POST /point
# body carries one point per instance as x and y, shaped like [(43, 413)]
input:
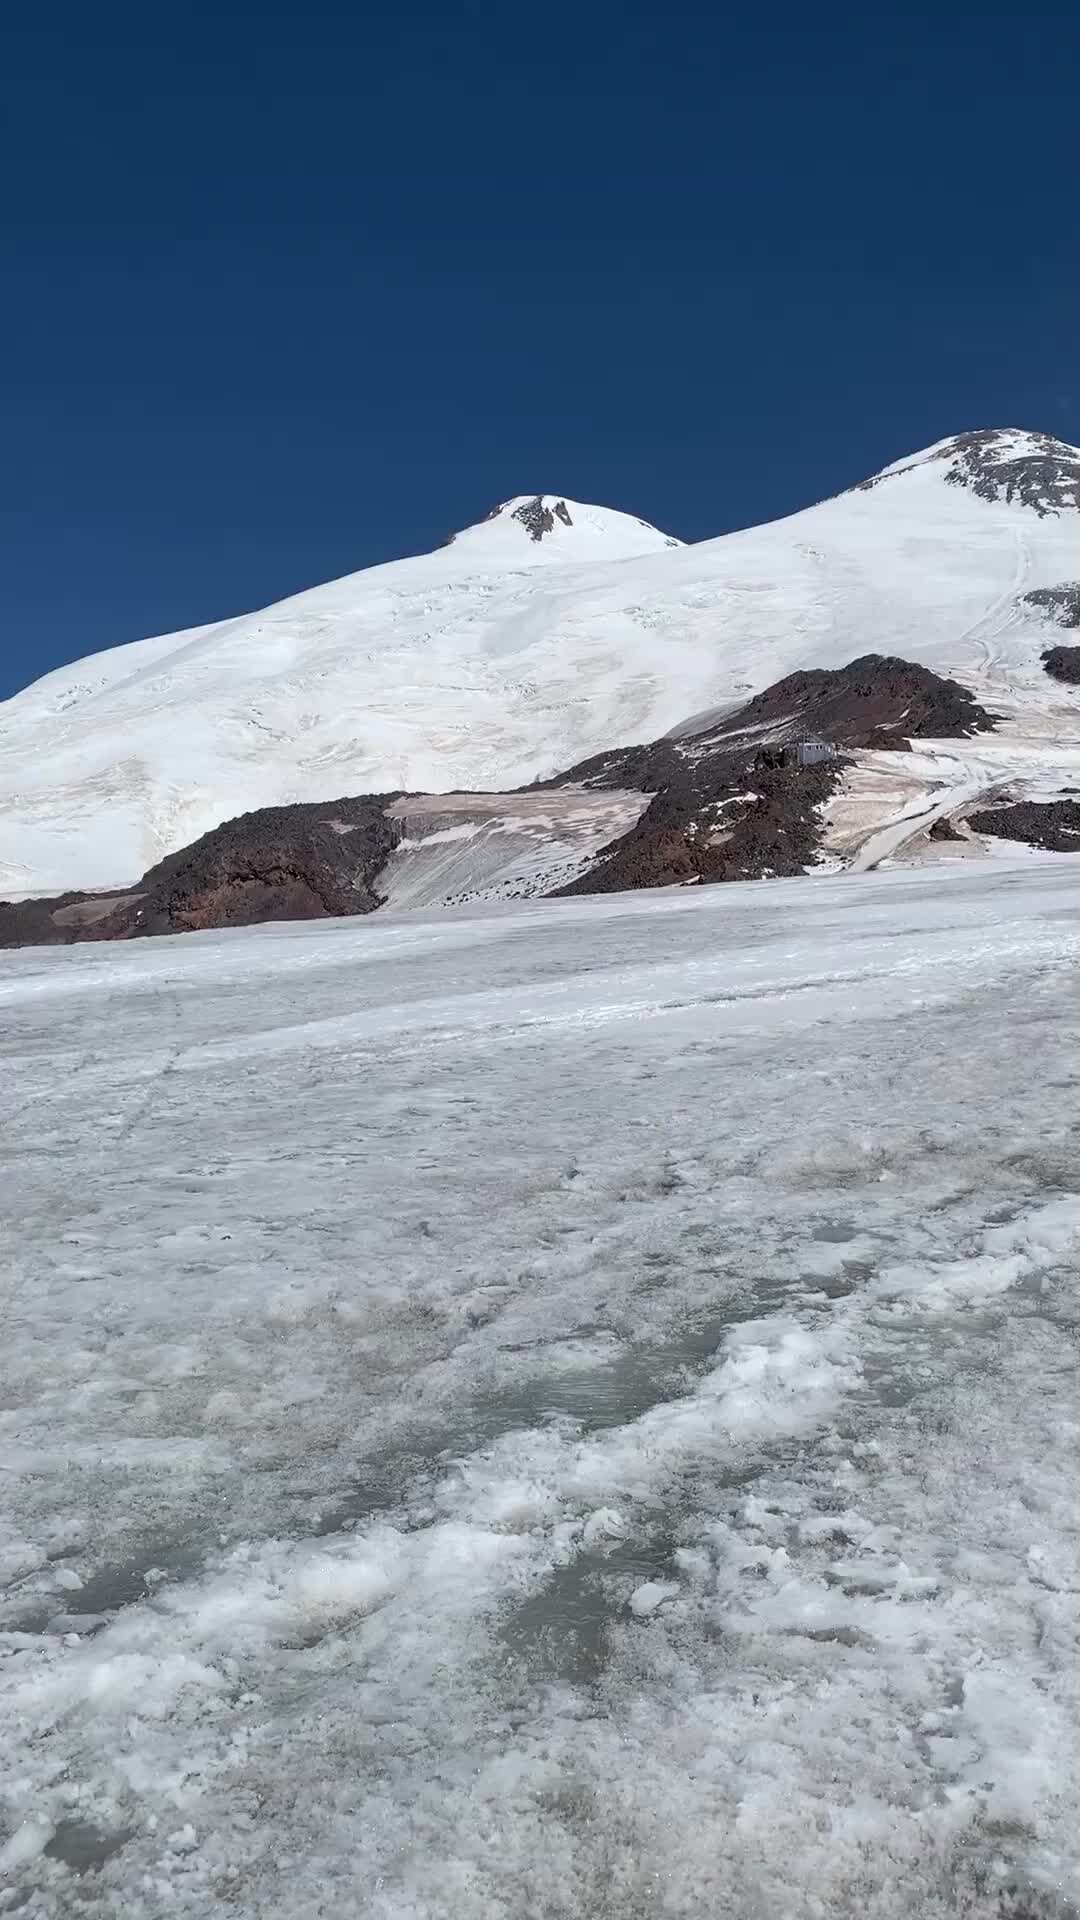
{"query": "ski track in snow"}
[(554, 1412), (998, 614)]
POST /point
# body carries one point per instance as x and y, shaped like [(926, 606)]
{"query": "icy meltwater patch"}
[(568, 1413)]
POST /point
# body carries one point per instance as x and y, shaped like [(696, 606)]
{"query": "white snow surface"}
[(500, 659), (552, 1412)]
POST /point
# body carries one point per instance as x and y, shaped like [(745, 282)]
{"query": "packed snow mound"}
[(520, 649)]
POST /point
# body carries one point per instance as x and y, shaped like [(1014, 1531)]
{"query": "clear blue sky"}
[(289, 290)]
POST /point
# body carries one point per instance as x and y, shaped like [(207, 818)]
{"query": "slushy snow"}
[(560, 1411)]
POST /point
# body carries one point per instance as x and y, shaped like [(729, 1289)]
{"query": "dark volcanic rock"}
[(1053, 824), (1061, 603), (877, 700), (772, 831), (1040, 472), (1064, 664), (1046, 480), (538, 519), (884, 741), (280, 863), (62, 919), (731, 803)]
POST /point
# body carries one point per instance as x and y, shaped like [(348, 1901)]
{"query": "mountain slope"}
[(746, 798), (550, 632)]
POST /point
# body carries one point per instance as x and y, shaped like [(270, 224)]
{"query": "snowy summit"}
[(546, 527), (1034, 469)]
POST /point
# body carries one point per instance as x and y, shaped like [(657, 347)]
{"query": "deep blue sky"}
[(289, 290)]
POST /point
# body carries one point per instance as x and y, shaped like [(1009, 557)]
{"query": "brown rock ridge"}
[(729, 802), (1052, 824), (281, 863), (875, 700)]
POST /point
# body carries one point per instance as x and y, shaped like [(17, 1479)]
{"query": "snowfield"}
[(500, 659), (559, 1411)]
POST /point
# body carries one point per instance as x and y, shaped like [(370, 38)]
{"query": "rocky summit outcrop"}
[(1036, 470), (1033, 470), (538, 519)]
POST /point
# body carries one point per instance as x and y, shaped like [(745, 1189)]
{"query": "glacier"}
[(560, 1410)]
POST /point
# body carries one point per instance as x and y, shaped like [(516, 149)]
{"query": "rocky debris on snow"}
[(538, 519), (60, 920), (1051, 824), (943, 829), (303, 862), (711, 834), (537, 514), (733, 803), (1033, 470), (1038, 471), (875, 701), (1060, 603), (1063, 663), (882, 741)]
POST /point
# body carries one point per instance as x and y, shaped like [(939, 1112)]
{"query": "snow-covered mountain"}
[(552, 631)]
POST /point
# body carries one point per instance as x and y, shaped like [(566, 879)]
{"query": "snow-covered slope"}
[(600, 1439), (548, 632)]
